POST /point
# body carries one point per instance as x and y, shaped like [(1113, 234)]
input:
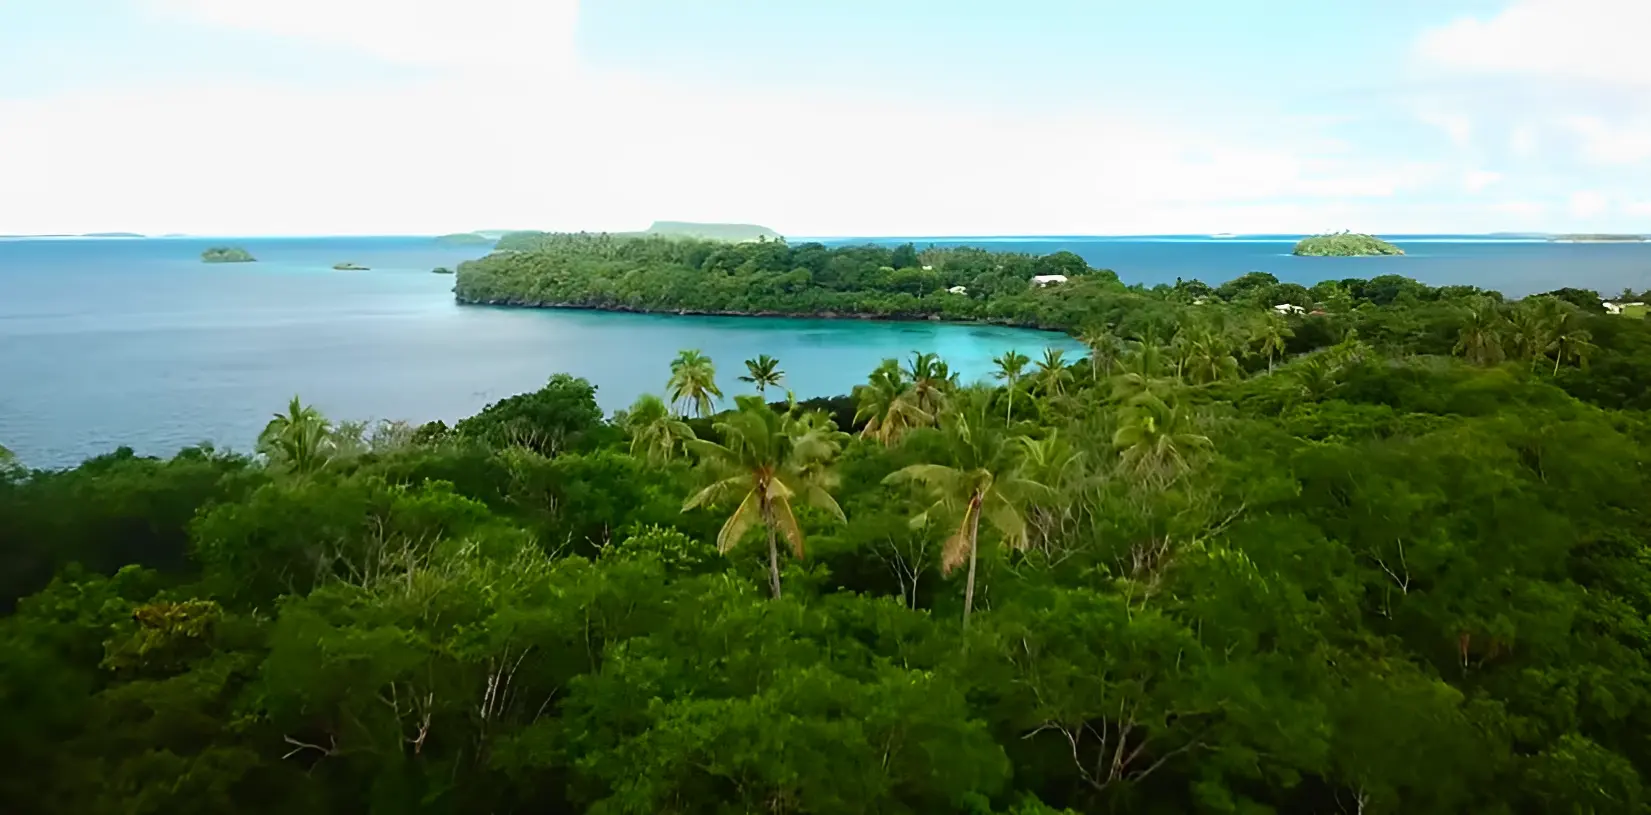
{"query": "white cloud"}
[(1455, 125), (1523, 143), (499, 128), (515, 35), (1638, 209), (451, 156), (1524, 209), (1591, 40), (1478, 180), (1605, 142), (1589, 204)]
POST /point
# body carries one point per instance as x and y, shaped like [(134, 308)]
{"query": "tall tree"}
[(772, 461), (693, 384), (1480, 340), (300, 440), (1105, 350), (932, 381), (979, 477), (887, 405), (1052, 375), (1156, 439), (657, 434), (1570, 342), (1534, 326), (1143, 371), (764, 372), (1011, 367), (1269, 334)]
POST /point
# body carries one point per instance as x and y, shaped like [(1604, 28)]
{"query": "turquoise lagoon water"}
[(112, 342), (136, 342)]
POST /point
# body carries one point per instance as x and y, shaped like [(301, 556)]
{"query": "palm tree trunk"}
[(1558, 355), (1008, 415), (773, 550), (974, 549)]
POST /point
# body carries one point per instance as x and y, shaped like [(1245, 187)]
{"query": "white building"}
[(958, 290), (1289, 308), (1046, 279), (1616, 308)]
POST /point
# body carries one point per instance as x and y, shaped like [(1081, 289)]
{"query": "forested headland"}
[(1344, 245), (1385, 555)]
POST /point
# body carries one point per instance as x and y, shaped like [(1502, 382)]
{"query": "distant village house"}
[(1616, 308), (1289, 308), (958, 290), (1046, 279)]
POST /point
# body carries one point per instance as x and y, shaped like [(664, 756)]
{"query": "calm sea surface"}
[(114, 342)]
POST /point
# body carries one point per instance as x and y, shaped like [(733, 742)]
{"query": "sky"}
[(825, 117)]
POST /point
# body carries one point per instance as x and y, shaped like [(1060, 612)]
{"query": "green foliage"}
[(561, 416), (1389, 557), (1345, 245), (227, 254)]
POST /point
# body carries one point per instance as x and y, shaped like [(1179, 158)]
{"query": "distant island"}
[(1345, 245), (527, 241), (441, 270), (350, 267), (111, 235), (227, 254), (466, 239), (1598, 238)]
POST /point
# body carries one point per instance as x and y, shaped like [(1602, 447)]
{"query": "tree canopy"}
[(1345, 244), (1390, 557)]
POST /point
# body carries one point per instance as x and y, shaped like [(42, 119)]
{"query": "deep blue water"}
[(136, 342), (1515, 267)]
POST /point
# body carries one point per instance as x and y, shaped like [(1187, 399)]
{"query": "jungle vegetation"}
[(1388, 555)]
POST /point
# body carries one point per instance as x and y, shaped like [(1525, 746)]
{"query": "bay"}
[(115, 342), (108, 342)]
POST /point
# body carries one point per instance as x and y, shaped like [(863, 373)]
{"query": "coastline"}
[(777, 315)]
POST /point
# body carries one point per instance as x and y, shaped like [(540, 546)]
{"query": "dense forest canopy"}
[(1344, 244), (1384, 555), (679, 230)]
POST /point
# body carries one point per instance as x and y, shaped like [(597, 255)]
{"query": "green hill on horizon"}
[(527, 240)]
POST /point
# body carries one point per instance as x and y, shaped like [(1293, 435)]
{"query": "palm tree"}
[(932, 381), (1209, 356), (773, 460), (1053, 462), (693, 383), (886, 405), (764, 372), (1156, 439), (1052, 374), (1318, 375), (300, 439), (1105, 349), (657, 434), (1143, 371), (1269, 335), (1481, 338), (1535, 324), (1010, 368), (1571, 342), (981, 478)]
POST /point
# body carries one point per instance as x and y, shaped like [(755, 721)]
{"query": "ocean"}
[(109, 342)]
